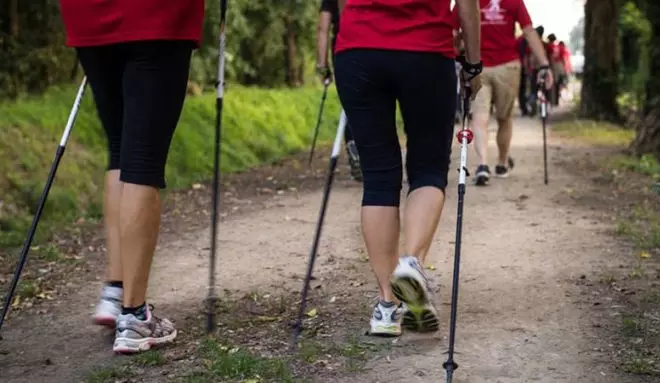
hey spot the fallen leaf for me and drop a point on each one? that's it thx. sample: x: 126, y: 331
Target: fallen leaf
x: 644, y: 254
x: 197, y: 186
x: 263, y: 318
x: 312, y: 313
x: 430, y: 267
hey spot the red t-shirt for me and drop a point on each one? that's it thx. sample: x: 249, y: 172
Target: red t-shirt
x: 566, y: 55
x: 102, y: 22
x: 407, y: 25
x: 555, y: 52
x: 498, y: 29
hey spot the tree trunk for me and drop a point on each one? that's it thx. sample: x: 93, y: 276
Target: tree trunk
x: 290, y: 42
x: 648, y: 131
x: 13, y: 18
x: 601, y: 64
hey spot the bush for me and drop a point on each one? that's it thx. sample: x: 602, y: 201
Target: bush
x: 259, y: 126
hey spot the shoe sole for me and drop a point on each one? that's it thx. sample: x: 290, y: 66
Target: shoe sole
x: 505, y: 175
x: 356, y: 172
x: 420, y: 316
x: 385, y: 331
x: 481, y: 180
x: 132, y: 346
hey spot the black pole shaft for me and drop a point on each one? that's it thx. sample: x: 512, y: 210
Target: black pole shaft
x: 313, y: 253
x: 33, y: 229
x: 545, y: 148
x: 210, y: 324
x: 212, y: 298
x: 318, y: 125
x: 450, y: 365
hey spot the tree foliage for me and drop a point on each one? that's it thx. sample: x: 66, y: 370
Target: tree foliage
x: 32, y: 51
x: 268, y: 44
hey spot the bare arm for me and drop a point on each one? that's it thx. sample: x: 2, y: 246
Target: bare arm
x: 322, y: 32
x: 536, y: 45
x: 468, y: 13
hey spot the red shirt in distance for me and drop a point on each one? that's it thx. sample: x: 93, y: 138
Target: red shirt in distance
x: 103, y: 22
x: 498, y: 29
x: 566, y: 54
x: 406, y: 25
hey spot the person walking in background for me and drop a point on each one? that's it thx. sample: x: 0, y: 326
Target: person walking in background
x: 403, y: 51
x: 501, y: 78
x: 525, y: 72
x: 329, y: 22
x: 565, y: 54
x: 556, y: 57
x: 136, y: 57
x: 532, y: 78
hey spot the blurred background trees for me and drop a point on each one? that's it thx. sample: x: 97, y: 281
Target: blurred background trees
x: 271, y: 43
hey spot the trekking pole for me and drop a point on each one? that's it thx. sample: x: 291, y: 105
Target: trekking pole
x: 42, y: 201
x: 334, y: 156
x: 464, y: 136
x: 326, y: 84
x: 210, y: 320
x: 544, y: 119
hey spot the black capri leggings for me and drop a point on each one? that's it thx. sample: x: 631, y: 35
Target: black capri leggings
x: 348, y: 133
x: 369, y: 83
x: 139, y: 89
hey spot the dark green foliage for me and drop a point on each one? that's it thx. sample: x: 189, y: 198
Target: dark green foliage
x: 268, y: 44
x: 32, y: 51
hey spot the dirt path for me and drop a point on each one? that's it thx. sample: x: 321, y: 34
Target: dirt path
x: 521, y: 317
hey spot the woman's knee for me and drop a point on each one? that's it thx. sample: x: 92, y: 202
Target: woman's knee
x: 382, y: 188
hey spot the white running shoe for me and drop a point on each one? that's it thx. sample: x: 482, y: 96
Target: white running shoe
x: 410, y: 285
x: 109, y: 306
x: 134, y: 335
x: 386, y: 320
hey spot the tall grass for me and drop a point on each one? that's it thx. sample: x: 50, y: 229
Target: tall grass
x: 259, y: 126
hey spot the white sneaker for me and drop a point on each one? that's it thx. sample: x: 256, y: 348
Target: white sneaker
x: 410, y: 285
x: 109, y: 306
x: 386, y: 320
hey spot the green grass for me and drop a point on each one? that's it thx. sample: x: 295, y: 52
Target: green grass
x: 642, y: 225
x: 259, y: 126
x: 150, y: 358
x: 595, y: 133
x: 228, y: 363
x: 109, y: 375
x: 647, y: 165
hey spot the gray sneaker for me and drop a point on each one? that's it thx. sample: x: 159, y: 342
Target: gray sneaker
x: 133, y: 335
x: 411, y: 286
x: 386, y: 319
x: 109, y: 307
x: 354, y: 160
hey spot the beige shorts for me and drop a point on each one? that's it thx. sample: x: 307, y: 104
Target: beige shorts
x: 499, y: 87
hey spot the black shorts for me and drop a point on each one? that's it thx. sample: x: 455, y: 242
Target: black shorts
x: 139, y: 89
x: 370, y: 82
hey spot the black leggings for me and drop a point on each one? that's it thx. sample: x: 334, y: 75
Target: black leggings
x: 139, y: 89
x: 370, y: 82
x: 348, y: 132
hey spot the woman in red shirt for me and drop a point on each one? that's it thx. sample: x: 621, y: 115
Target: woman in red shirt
x: 389, y: 51
x: 136, y: 55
